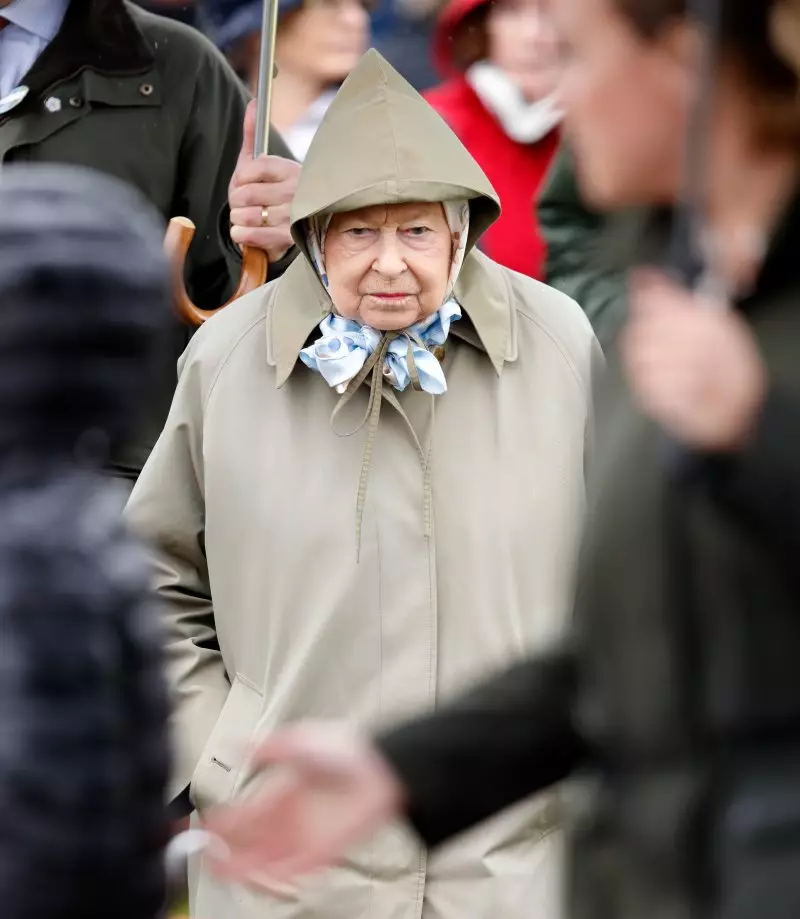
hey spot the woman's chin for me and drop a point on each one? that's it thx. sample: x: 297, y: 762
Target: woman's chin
x: 391, y: 316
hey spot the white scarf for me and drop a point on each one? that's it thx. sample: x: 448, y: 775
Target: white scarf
x: 525, y: 122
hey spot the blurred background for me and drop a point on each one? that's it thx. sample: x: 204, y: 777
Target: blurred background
x: 489, y: 68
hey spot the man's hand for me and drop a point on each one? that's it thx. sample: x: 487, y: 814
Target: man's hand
x: 692, y: 366
x: 262, y: 187
x: 332, y: 790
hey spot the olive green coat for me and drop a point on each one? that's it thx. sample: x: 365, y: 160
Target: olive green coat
x: 577, y: 261
x: 152, y: 102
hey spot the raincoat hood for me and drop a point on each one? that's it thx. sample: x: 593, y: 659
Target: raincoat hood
x: 381, y: 143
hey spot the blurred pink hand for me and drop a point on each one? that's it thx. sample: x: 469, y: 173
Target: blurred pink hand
x: 693, y: 366
x: 265, y: 185
x: 333, y: 791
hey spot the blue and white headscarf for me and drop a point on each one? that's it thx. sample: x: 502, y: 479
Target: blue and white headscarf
x: 345, y: 344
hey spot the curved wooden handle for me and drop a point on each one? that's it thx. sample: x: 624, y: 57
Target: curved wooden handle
x: 176, y: 244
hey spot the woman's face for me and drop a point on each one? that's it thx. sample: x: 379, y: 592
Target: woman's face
x: 324, y: 39
x: 522, y: 42
x: 388, y: 266
x: 626, y: 101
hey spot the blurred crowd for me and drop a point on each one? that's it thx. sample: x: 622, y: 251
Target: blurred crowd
x: 490, y: 69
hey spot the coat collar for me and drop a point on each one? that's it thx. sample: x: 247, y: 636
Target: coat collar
x: 99, y: 35
x: 301, y: 303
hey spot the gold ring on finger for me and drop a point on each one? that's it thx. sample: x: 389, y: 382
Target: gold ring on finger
x: 264, y: 216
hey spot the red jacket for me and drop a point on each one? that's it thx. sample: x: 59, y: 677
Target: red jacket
x: 515, y: 170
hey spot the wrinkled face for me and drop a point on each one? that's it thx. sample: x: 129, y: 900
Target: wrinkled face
x: 523, y: 43
x: 323, y: 40
x: 626, y: 101
x: 388, y: 266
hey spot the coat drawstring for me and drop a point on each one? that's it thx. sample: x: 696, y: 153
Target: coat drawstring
x: 374, y: 365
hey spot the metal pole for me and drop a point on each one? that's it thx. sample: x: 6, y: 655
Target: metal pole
x: 266, y: 72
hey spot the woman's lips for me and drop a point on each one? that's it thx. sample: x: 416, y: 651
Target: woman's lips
x: 391, y: 297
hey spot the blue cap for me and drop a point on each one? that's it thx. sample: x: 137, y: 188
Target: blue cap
x: 228, y: 21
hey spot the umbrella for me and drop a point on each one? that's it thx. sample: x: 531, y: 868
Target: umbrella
x: 181, y: 230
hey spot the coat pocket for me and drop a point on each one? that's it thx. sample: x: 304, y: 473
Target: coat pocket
x: 216, y: 777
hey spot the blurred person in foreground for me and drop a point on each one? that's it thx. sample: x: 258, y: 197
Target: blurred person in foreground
x: 368, y: 494
x: 107, y: 85
x: 318, y: 44
x: 502, y: 64
x: 83, y: 704
x: 675, y: 703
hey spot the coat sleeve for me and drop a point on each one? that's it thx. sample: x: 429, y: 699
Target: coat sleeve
x: 761, y: 484
x: 167, y: 511
x: 209, y: 153
x: 509, y: 738
x: 574, y: 262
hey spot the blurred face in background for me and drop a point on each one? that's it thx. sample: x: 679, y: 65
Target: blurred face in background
x: 523, y: 42
x: 323, y: 40
x: 626, y: 100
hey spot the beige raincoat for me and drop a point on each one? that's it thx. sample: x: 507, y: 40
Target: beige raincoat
x: 249, y: 500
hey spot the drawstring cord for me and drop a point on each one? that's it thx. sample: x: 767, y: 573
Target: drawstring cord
x: 377, y: 393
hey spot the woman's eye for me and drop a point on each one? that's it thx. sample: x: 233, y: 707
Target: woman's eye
x: 417, y: 231
x: 359, y: 232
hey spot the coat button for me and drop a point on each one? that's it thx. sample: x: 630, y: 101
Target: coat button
x: 52, y: 104
x: 76, y: 101
x: 146, y: 89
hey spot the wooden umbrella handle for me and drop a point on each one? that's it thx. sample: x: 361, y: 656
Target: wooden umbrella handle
x: 176, y: 244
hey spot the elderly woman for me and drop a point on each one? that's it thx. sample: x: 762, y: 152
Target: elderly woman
x: 678, y: 699
x: 368, y: 494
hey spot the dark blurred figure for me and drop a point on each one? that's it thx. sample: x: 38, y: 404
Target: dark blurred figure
x: 83, y: 709
x: 318, y: 43
x: 108, y: 85
x: 502, y: 64
x: 402, y: 30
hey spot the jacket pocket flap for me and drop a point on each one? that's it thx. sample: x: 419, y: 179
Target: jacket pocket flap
x: 217, y: 774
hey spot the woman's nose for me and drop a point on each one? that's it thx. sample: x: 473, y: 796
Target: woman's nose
x: 389, y: 260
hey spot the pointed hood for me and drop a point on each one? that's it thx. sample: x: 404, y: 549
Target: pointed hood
x: 381, y: 143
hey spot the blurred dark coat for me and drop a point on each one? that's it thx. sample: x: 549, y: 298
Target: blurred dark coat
x: 83, y: 709
x: 83, y: 705
x: 678, y: 698
x: 152, y: 102
x: 577, y: 262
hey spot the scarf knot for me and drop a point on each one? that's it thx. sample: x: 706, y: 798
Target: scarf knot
x: 345, y: 345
